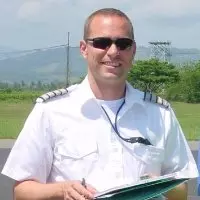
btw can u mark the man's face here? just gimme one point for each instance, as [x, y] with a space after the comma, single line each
[110, 64]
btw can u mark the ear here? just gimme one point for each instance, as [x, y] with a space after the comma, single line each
[134, 49]
[83, 48]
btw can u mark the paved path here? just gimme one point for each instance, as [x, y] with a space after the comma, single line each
[6, 184]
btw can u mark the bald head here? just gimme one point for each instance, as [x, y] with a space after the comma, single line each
[106, 12]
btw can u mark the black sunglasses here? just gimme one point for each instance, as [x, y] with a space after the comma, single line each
[106, 42]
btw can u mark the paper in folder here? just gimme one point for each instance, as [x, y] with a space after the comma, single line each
[142, 190]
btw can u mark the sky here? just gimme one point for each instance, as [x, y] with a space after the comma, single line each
[29, 24]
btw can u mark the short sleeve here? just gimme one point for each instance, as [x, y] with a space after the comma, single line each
[178, 156]
[31, 156]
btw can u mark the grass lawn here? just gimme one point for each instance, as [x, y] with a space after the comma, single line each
[13, 115]
[189, 118]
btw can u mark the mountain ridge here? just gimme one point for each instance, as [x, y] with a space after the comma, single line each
[50, 64]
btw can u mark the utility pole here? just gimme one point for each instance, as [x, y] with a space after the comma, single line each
[67, 67]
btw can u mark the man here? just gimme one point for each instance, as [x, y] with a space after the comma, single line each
[101, 130]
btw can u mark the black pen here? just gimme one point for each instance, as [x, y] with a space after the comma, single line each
[83, 183]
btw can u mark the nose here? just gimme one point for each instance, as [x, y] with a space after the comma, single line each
[113, 51]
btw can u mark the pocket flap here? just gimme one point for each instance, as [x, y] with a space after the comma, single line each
[76, 150]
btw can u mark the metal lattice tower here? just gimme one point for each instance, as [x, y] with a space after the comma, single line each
[161, 50]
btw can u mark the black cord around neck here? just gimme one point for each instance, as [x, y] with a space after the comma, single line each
[130, 140]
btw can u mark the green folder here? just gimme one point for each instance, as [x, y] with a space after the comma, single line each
[143, 190]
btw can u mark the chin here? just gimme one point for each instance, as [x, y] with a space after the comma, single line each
[112, 77]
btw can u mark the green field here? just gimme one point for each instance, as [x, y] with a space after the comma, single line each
[13, 115]
[189, 118]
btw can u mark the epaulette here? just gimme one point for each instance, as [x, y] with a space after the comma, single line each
[56, 93]
[155, 99]
[50, 95]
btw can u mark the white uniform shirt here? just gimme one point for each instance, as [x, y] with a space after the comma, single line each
[70, 137]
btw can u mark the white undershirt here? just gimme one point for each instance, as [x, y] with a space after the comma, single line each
[111, 107]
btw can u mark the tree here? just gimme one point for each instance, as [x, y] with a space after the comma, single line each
[4, 85]
[152, 75]
[39, 85]
[188, 88]
[17, 86]
[191, 84]
[23, 84]
[32, 85]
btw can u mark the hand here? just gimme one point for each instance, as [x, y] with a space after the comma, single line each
[73, 190]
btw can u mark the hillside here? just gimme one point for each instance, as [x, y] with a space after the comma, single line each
[50, 64]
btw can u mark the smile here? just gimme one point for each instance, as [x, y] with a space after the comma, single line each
[113, 64]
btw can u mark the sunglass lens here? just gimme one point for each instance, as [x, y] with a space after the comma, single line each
[123, 43]
[102, 43]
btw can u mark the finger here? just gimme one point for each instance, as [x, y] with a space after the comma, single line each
[91, 189]
[82, 190]
[74, 195]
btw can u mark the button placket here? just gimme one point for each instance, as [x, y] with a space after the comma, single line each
[115, 160]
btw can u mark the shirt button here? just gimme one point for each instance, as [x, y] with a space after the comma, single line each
[118, 175]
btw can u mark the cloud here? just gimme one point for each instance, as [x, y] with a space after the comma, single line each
[41, 10]
[52, 19]
[63, 10]
[30, 10]
[142, 8]
[167, 9]
[177, 8]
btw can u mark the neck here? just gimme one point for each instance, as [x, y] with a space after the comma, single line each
[106, 90]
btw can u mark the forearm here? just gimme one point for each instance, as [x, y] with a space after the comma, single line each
[31, 190]
[179, 192]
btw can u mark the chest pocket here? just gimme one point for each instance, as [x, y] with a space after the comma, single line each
[76, 158]
[150, 158]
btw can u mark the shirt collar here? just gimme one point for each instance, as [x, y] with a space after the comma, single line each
[85, 91]
[132, 95]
